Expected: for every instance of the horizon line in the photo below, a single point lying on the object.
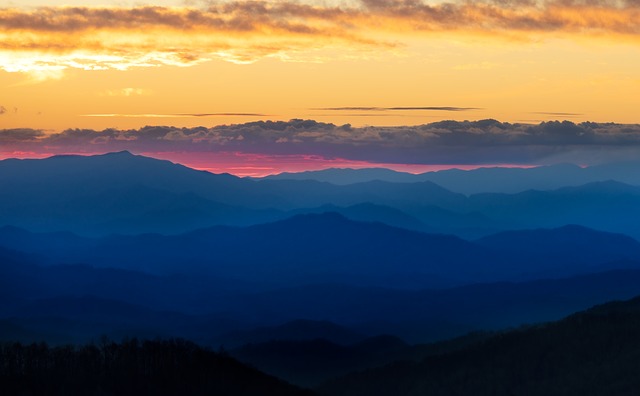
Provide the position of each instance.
(243, 171)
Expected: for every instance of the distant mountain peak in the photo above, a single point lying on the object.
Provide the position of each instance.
(123, 153)
(80, 157)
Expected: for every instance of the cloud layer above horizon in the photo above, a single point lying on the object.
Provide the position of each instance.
(52, 39)
(446, 142)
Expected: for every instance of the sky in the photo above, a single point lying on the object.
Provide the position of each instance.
(374, 79)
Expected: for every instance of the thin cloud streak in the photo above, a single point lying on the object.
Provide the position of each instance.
(182, 115)
(423, 108)
(373, 114)
(557, 114)
(226, 115)
(116, 115)
(49, 39)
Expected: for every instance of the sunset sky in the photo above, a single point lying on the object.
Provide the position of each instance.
(384, 67)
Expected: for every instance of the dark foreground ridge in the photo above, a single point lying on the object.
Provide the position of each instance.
(173, 367)
(594, 352)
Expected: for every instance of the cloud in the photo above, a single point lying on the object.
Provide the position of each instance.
(224, 115)
(557, 114)
(48, 40)
(24, 135)
(179, 115)
(126, 92)
(51, 39)
(425, 108)
(444, 142)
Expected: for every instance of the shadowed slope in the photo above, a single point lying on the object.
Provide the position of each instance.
(590, 353)
(131, 368)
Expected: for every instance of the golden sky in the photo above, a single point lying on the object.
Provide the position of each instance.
(87, 76)
(84, 64)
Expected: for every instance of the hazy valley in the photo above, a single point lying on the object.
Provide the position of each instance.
(313, 276)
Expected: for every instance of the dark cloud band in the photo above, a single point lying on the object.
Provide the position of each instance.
(445, 142)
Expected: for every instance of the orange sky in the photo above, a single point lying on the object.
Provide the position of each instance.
(65, 67)
(118, 64)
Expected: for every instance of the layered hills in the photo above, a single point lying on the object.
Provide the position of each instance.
(313, 276)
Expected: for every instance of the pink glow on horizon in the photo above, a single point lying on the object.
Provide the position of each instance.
(4, 155)
(260, 165)
(23, 155)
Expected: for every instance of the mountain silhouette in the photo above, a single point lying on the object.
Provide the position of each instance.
(209, 308)
(296, 330)
(369, 212)
(315, 247)
(126, 193)
(329, 248)
(344, 176)
(311, 193)
(310, 362)
(131, 367)
(295, 273)
(428, 315)
(111, 192)
(589, 353)
(566, 246)
(482, 180)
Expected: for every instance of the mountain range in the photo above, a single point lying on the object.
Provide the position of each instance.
(588, 353)
(507, 180)
(129, 194)
(320, 248)
(38, 297)
(313, 276)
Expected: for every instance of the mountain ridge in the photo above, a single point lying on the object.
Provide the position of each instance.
(483, 179)
(591, 352)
